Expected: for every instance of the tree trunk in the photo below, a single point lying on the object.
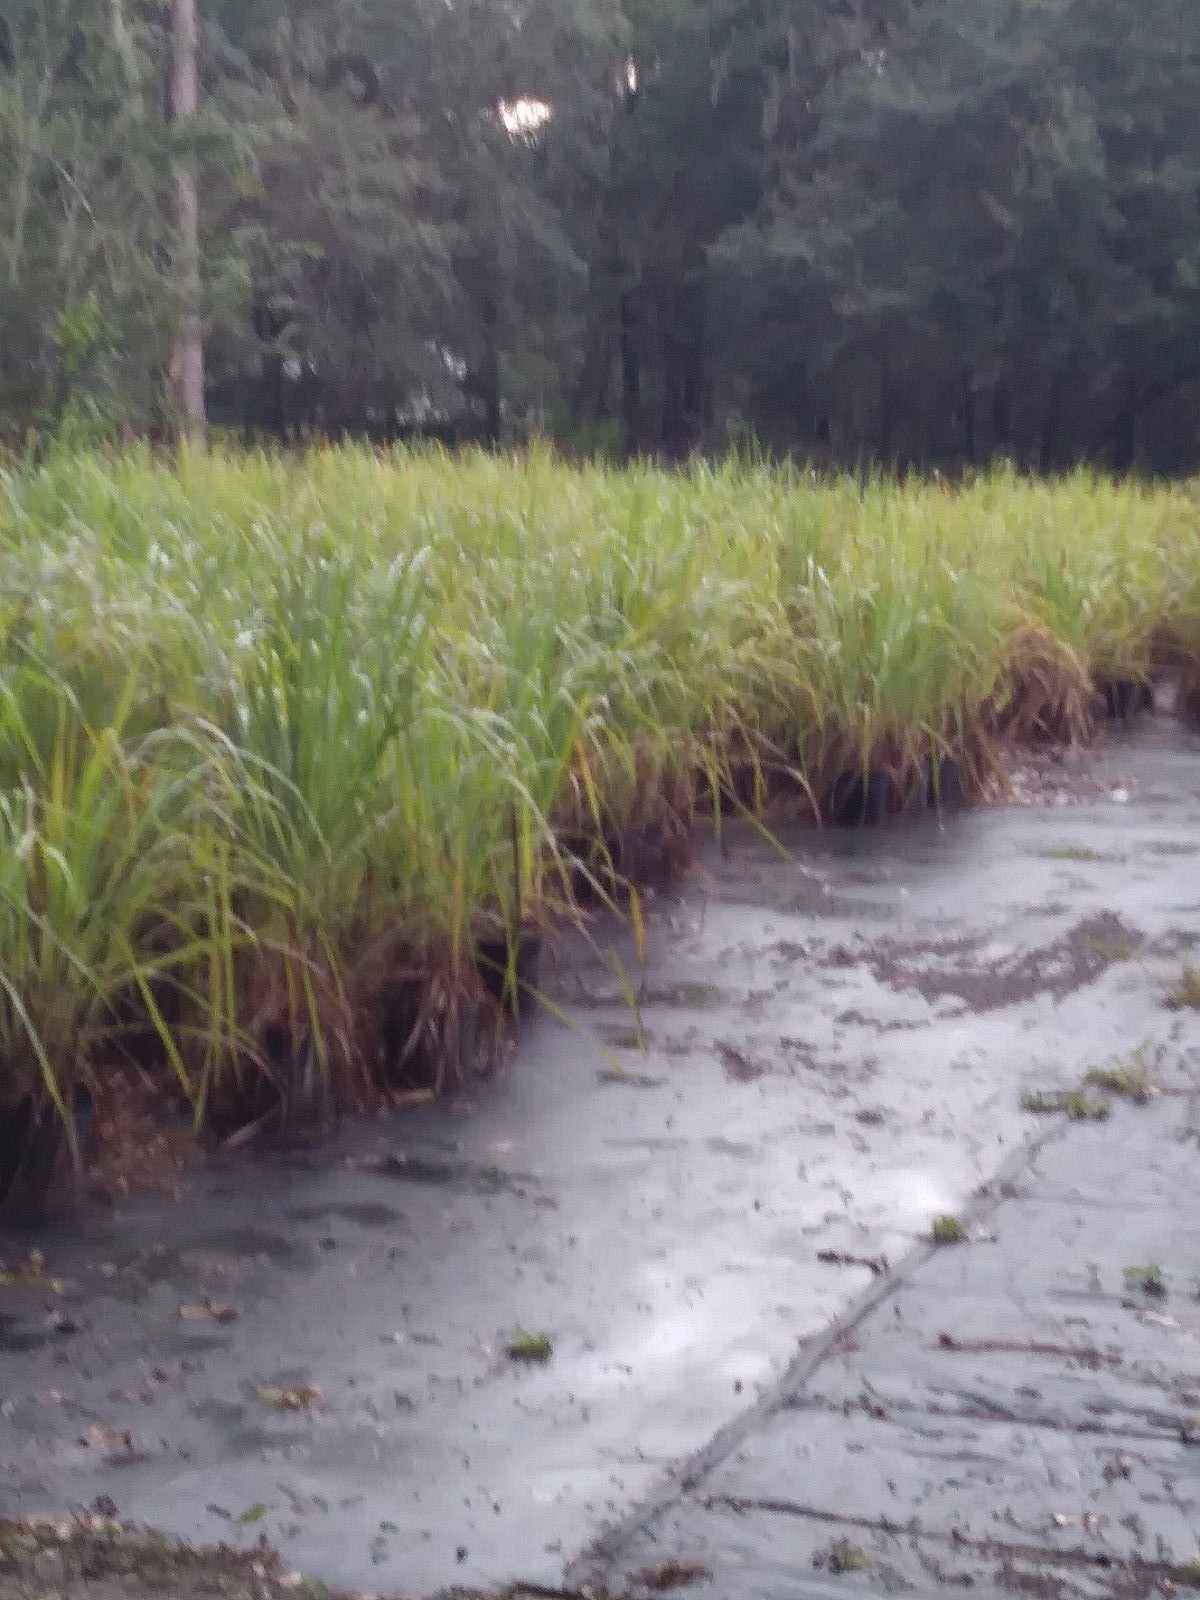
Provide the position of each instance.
(684, 365)
(270, 406)
(888, 407)
(1125, 432)
(1048, 447)
(696, 396)
(631, 371)
(590, 397)
(672, 427)
(1125, 429)
(968, 417)
(489, 368)
(187, 357)
(1001, 416)
(23, 176)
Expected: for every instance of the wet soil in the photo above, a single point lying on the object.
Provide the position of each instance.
(963, 969)
(828, 1050)
(1003, 1419)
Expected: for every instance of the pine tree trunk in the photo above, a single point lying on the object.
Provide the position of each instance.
(1048, 445)
(489, 370)
(1001, 416)
(888, 407)
(187, 357)
(631, 371)
(697, 400)
(968, 417)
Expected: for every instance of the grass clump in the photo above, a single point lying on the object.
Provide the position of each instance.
(1042, 1102)
(534, 1349)
(1184, 993)
(285, 740)
(1083, 1107)
(843, 1557)
(1132, 1078)
(1076, 1103)
(1149, 1280)
(947, 1230)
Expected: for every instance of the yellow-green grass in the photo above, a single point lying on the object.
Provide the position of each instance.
(282, 736)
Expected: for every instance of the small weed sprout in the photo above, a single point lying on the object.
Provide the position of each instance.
(1184, 993)
(1132, 1078)
(843, 1557)
(1077, 1103)
(1149, 1280)
(533, 1349)
(1083, 1107)
(1042, 1102)
(948, 1230)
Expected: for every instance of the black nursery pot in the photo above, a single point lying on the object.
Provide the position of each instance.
(945, 789)
(287, 1100)
(743, 791)
(495, 965)
(860, 801)
(35, 1164)
(1127, 697)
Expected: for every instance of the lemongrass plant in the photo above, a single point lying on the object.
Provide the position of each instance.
(357, 710)
(111, 898)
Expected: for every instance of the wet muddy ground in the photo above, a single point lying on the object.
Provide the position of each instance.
(1020, 1416)
(502, 1342)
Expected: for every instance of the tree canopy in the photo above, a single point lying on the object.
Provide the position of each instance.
(915, 232)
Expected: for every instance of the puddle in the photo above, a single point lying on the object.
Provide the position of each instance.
(366, 1214)
(740, 1066)
(840, 908)
(629, 1080)
(735, 1148)
(17, 1335)
(656, 1146)
(686, 996)
(464, 1176)
(250, 1243)
(245, 1428)
(620, 1037)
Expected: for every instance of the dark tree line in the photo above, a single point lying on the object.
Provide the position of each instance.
(910, 231)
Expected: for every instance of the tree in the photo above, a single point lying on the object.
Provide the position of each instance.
(83, 235)
(991, 215)
(912, 231)
(682, 166)
(187, 357)
(435, 255)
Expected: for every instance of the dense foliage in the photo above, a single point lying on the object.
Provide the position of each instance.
(287, 741)
(921, 231)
